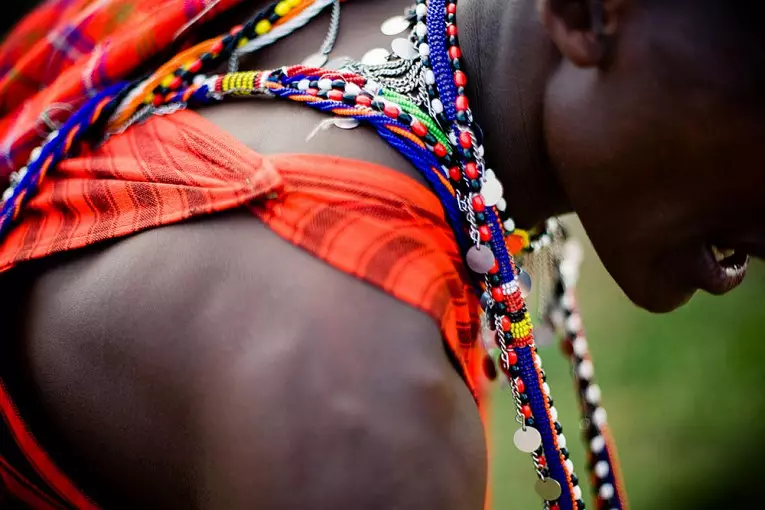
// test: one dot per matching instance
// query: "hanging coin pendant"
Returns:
(548, 489)
(527, 441)
(524, 280)
(315, 60)
(346, 122)
(394, 26)
(492, 189)
(375, 57)
(404, 49)
(480, 260)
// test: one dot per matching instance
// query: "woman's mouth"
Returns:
(720, 269)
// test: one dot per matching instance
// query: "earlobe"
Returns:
(581, 29)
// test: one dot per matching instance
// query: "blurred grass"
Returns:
(683, 392)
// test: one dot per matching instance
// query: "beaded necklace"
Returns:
(445, 145)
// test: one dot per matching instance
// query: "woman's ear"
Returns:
(583, 30)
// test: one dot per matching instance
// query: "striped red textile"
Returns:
(66, 50)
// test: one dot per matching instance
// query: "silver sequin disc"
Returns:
(492, 189)
(524, 280)
(527, 441)
(404, 49)
(394, 26)
(375, 57)
(345, 122)
(315, 60)
(548, 489)
(480, 260)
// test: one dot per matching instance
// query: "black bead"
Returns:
(550, 401)
(430, 139)
(468, 153)
(475, 184)
(425, 61)
(431, 92)
(227, 40)
(499, 308)
(448, 161)
(558, 427)
(462, 117)
(324, 94)
(377, 104)
(441, 118)
(574, 479)
(451, 18)
(517, 316)
(524, 398)
(187, 76)
(162, 91)
(461, 91)
(349, 99)
(206, 57)
(564, 452)
(456, 63)
(480, 217)
(454, 40)
(580, 505)
(515, 371)
(544, 376)
(405, 118)
(494, 279)
(338, 84)
(529, 422)
(273, 18)
(314, 84)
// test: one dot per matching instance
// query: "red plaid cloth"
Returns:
(66, 50)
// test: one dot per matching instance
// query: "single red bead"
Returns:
(391, 110)
(506, 323)
(554, 506)
(512, 357)
(195, 66)
(495, 268)
(478, 203)
(440, 150)
(363, 100)
(217, 47)
(455, 52)
(460, 79)
(451, 29)
(485, 233)
(419, 129)
(335, 95)
(158, 100)
(542, 463)
(462, 103)
(466, 140)
(455, 174)
(471, 170)
(520, 385)
(175, 83)
(526, 410)
(451, 8)
(497, 294)
(312, 92)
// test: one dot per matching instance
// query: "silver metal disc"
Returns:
(346, 122)
(337, 63)
(394, 26)
(404, 49)
(527, 441)
(480, 260)
(492, 189)
(315, 60)
(548, 489)
(375, 57)
(524, 280)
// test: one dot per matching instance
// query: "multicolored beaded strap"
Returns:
(451, 159)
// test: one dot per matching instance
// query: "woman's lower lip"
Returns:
(716, 278)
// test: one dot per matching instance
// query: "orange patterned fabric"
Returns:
(368, 221)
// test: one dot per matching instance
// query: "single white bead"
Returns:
(577, 492)
(593, 394)
(52, 135)
(597, 444)
(352, 88)
(21, 173)
(422, 10)
(568, 300)
(537, 360)
(569, 465)
(502, 205)
(586, 370)
(304, 85)
(562, 442)
(580, 346)
(430, 77)
(325, 84)
(600, 417)
(35, 154)
(424, 50)
(602, 469)
(554, 414)
(199, 80)
(509, 225)
(574, 322)
(606, 491)
(372, 87)
(437, 106)
(421, 29)
(7, 194)
(546, 388)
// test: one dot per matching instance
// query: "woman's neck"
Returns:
(509, 60)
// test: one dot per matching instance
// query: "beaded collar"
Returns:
(433, 127)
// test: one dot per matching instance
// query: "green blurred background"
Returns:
(683, 394)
